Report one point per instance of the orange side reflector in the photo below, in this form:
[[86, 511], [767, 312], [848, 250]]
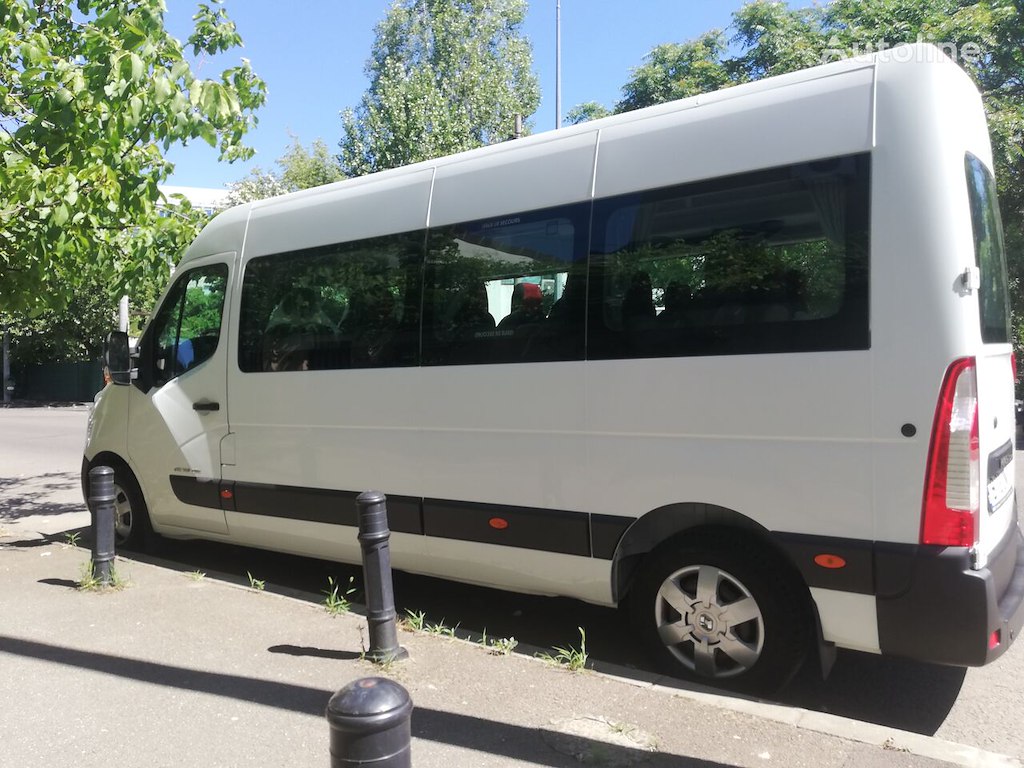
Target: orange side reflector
[[498, 523], [830, 561]]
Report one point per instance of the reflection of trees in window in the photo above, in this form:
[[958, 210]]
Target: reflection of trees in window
[[476, 271], [204, 302], [186, 331], [343, 306], [765, 248]]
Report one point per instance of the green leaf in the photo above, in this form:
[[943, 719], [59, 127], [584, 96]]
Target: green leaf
[[135, 107], [61, 215]]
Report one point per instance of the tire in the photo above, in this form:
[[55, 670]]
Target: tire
[[721, 611], [132, 528]]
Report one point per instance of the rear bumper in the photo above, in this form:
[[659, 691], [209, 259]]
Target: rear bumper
[[932, 606]]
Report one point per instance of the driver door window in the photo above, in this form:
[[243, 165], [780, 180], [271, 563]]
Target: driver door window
[[187, 329]]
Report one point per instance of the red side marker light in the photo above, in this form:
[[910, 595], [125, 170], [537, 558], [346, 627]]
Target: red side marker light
[[226, 494], [498, 523], [829, 561], [995, 640]]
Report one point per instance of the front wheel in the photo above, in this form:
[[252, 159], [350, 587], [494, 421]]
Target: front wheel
[[132, 528], [721, 612]]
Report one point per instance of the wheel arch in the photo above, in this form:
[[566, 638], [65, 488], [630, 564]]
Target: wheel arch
[[109, 459], [687, 519]]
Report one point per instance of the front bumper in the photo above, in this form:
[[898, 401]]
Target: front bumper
[[932, 606]]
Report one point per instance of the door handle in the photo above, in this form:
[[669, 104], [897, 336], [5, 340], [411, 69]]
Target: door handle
[[207, 406]]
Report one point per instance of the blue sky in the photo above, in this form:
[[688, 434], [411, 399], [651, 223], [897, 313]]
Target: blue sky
[[312, 54]]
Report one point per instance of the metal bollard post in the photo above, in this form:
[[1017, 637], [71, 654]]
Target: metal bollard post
[[380, 596], [101, 504], [370, 724]]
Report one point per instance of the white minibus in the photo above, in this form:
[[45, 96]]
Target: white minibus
[[741, 363]]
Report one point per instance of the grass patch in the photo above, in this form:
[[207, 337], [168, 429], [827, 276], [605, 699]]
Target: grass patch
[[91, 582], [335, 602], [258, 584], [499, 646], [573, 659]]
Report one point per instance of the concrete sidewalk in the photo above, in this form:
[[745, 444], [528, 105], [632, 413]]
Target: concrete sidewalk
[[181, 670]]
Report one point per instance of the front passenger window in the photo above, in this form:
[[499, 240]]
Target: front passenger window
[[187, 329]]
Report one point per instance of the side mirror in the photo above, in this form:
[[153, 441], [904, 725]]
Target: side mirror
[[116, 359]]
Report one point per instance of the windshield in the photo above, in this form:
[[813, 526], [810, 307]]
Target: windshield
[[989, 252]]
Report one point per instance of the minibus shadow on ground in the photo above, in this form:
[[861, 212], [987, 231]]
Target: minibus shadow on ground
[[897, 693]]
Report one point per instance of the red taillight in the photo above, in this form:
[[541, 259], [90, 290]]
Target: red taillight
[[1013, 367], [952, 491]]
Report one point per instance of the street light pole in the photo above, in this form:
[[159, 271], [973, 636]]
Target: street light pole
[[6, 364]]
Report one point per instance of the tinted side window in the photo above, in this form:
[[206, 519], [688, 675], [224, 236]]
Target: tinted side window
[[353, 305], [771, 261], [989, 253], [507, 290], [186, 330]]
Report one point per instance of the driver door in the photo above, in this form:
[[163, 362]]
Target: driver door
[[178, 411]]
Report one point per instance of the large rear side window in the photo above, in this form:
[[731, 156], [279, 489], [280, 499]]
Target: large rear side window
[[989, 253], [772, 261]]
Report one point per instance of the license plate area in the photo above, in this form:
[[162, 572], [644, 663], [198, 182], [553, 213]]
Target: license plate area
[[1000, 482]]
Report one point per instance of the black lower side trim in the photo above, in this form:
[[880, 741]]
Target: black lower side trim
[[321, 505], [855, 574], [544, 529], [198, 491], [547, 530], [606, 531]]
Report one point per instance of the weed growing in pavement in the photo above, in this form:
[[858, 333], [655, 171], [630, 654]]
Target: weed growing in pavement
[[416, 621], [413, 621], [336, 604], [501, 646], [440, 629], [71, 538], [197, 575], [572, 659], [90, 582], [387, 665], [258, 584]]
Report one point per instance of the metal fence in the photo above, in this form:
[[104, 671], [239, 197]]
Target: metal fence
[[58, 382]]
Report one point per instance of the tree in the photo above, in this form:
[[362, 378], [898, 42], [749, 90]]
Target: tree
[[677, 70], [445, 76], [588, 110], [73, 334], [300, 169], [258, 184], [92, 93]]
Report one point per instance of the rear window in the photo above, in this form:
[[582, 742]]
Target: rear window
[[989, 253]]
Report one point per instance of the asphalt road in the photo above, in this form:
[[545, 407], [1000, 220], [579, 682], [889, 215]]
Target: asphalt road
[[40, 456]]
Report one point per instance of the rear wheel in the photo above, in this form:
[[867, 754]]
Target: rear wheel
[[722, 612]]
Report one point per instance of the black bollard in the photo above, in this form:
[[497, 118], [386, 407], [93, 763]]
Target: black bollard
[[370, 724], [101, 504], [380, 595]]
